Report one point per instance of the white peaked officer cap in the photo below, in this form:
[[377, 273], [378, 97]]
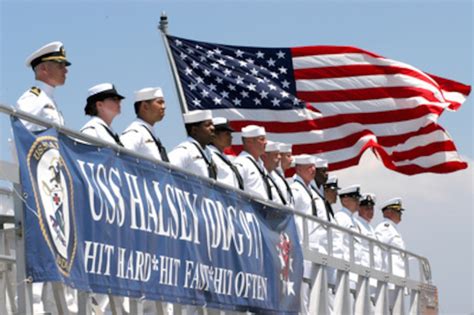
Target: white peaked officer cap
[[367, 198], [252, 131], [304, 159], [272, 147], [53, 51], [196, 116], [147, 94], [332, 183], [101, 91], [285, 147], [350, 191], [394, 203], [321, 163]]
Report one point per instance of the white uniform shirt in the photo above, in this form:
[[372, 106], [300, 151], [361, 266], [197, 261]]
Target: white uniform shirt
[[137, 138], [388, 233], [284, 187], [253, 180], [363, 256], [188, 157], [39, 101], [345, 219], [97, 128], [224, 172], [302, 203]]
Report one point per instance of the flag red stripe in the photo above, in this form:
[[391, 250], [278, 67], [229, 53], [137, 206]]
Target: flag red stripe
[[328, 50], [452, 86], [337, 120], [366, 94], [425, 150], [357, 70]]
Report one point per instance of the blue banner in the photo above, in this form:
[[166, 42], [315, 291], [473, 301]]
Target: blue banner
[[109, 223]]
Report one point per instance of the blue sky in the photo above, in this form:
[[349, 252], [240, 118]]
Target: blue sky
[[118, 42]]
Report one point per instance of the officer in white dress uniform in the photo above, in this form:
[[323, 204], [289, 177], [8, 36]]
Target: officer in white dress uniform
[[227, 172], [271, 159], [139, 136], [250, 165], [103, 105], [193, 154], [388, 233], [305, 202], [49, 64], [366, 213], [349, 198]]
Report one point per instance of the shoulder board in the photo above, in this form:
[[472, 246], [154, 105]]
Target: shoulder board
[[182, 147], [36, 91], [88, 127], [129, 130], [386, 225]]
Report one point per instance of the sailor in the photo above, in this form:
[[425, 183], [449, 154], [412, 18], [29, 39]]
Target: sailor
[[278, 174], [330, 196], [320, 178], [193, 154], [286, 157], [103, 105], [139, 136], [250, 165], [227, 172], [387, 232], [271, 160], [349, 198], [305, 202], [49, 65], [366, 213]]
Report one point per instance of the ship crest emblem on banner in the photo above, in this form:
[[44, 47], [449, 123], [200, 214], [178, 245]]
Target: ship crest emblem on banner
[[53, 190], [284, 249]]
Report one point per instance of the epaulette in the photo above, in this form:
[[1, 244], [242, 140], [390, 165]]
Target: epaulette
[[36, 91], [386, 225], [127, 131], [88, 127]]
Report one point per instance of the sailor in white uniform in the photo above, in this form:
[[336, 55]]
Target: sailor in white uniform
[[103, 105], [286, 158], [305, 202], [193, 154], [278, 174], [271, 159], [320, 179], [140, 136], [349, 198], [366, 213], [331, 189], [49, 64], [388, 233], [227, 172], [250, 165]]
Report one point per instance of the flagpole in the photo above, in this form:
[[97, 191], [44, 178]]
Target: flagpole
[[163, 27]]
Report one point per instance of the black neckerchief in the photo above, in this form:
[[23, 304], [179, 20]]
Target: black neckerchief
[[233, 168], [280, 194], [264, 178], [313, 205], [288, 188], [329, 211], [161, 148], [112, 134], [211, 166]]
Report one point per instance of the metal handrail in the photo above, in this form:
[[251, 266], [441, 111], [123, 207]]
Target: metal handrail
[[329, 226]]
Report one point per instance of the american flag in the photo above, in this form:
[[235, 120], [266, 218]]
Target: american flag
[[331, 101]]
